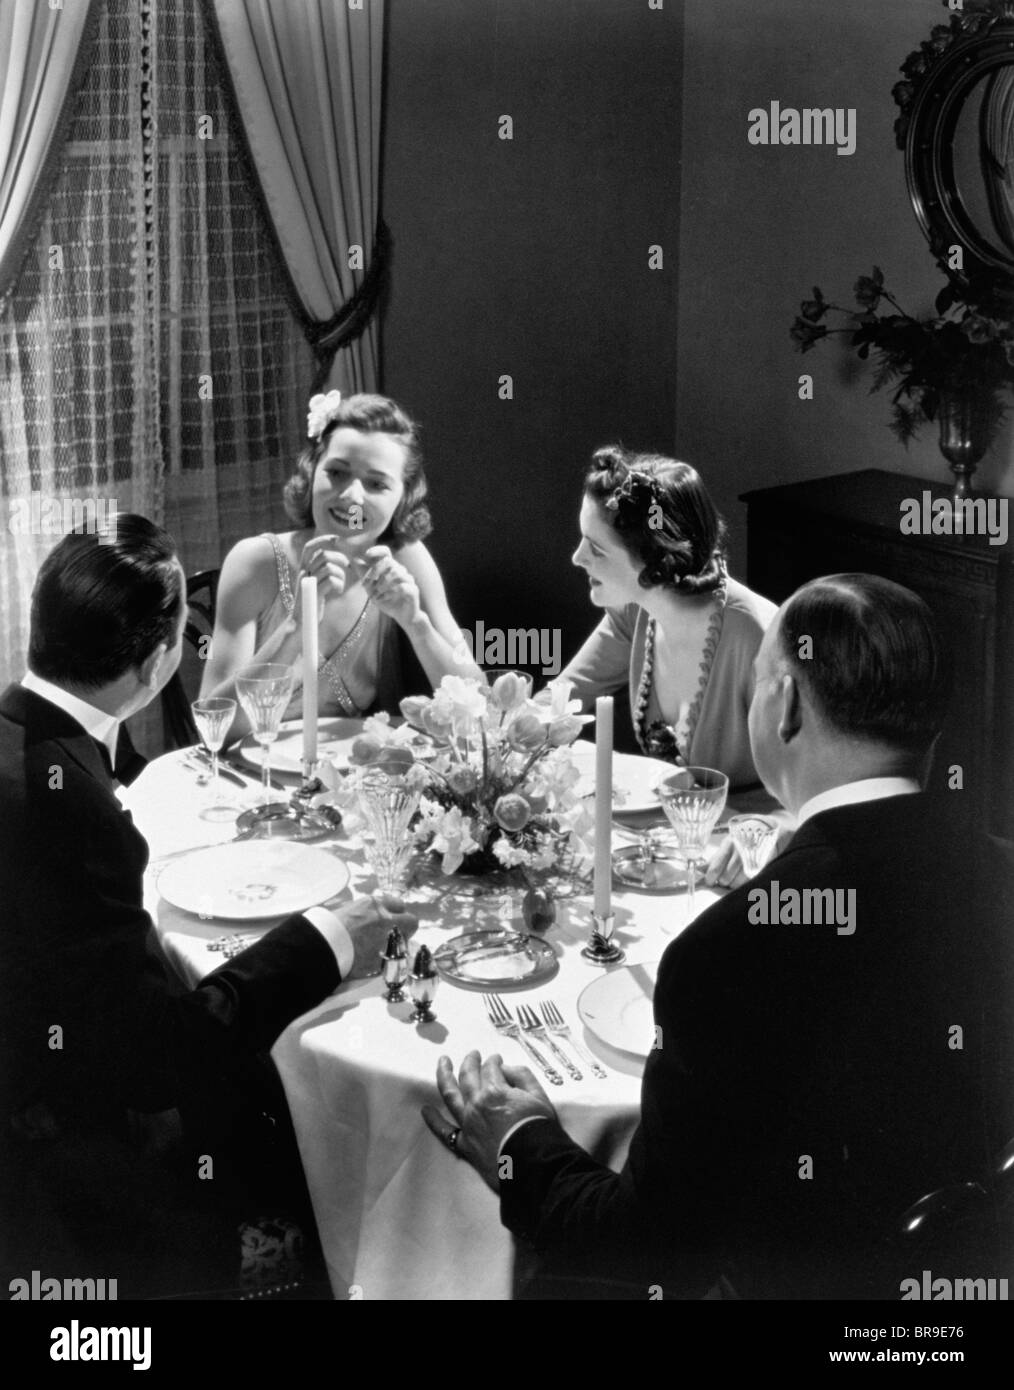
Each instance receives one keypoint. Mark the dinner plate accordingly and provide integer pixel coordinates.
(617, 1008)
(497, 960)
(334, 742)
(634, 778)
(246, 879)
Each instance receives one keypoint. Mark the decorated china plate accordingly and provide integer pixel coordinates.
(244, 880)
(634, 778)
(335, 737)
(617, 1008)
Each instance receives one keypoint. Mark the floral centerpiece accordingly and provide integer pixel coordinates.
(966, 352)
(499, 786)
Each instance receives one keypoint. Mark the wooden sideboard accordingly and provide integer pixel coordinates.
(851, 522)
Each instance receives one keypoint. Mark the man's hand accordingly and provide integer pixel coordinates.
(725, 866)
(368, 922)
(485, 1101)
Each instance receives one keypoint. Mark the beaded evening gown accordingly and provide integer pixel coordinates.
(364, 672)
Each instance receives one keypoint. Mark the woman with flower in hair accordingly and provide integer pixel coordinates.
(357, 502)
(677, 630)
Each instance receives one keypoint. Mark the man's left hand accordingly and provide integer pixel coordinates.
(485, 1101)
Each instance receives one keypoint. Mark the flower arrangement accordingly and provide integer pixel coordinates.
(500, 789)
(965, 350)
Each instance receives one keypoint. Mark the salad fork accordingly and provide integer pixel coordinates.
(499, 1016)
(530, 1023)
(556, 1024)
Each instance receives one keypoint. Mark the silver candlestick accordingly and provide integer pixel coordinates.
(601, 948)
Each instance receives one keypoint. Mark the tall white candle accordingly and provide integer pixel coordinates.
(603, 804)
(308, 597)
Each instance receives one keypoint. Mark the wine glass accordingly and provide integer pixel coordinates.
(754, 837)
(213, 717)
(693, 798)
(264, 692)
(387, 805)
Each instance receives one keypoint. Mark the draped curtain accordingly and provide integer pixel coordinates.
(41, 55)
(79, 405)
(307, 80)
(235, 366)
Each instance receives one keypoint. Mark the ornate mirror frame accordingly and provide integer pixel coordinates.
(939, 77)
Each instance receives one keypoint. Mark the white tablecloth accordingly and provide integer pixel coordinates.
(399, 1217)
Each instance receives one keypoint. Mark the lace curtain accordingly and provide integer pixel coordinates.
(148, 352)
(78, 410)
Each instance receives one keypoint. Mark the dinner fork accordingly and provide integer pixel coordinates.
(555, 1023)
(530, 1023)
(499, 1016)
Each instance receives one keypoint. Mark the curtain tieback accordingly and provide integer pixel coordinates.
(328, 336)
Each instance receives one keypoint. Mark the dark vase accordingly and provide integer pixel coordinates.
(967, 422)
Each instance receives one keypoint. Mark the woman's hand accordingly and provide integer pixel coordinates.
(389, 584)
(321, 560)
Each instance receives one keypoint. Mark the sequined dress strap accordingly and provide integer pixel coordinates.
(284, 574)
(332, 666)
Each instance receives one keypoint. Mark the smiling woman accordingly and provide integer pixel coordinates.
(677, 627)
(357, 500)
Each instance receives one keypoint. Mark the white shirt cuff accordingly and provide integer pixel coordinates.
(529, 1119)
(336, 934)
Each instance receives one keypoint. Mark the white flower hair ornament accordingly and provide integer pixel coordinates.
(322, 409)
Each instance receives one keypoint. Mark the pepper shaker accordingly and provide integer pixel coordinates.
(423, 986)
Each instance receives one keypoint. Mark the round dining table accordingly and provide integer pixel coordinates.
(399, 1216)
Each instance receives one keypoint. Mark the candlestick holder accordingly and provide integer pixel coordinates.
(601, 948)
(295, 819)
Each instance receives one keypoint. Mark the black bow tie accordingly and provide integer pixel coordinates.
(128, 763)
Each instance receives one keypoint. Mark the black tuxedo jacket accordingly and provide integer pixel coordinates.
(94, 1024)
(78, 951)
(810, 1084)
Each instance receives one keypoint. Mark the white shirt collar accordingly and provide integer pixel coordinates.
(102, 726)
(849, 793)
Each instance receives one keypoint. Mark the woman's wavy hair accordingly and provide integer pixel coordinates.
(662, 513)
(371, 415)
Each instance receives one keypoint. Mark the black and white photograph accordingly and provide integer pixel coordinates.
(507, 691)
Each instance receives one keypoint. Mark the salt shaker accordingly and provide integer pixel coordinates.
(394, 966)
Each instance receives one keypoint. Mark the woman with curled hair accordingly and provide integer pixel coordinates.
(358, 504)
(677, 629)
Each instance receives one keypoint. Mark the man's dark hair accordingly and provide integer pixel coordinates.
(877, 669)
(102, 604)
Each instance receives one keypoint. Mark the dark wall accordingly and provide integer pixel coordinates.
(529, 258)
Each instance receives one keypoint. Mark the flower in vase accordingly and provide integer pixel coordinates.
(459, 700)
(462, 780)
(511, 854)
(554, 700)
(512, 813)
(526, 733)
(563, 731)
(508, 693)
(454, 839)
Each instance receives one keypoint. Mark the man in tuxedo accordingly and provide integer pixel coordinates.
(141, 1121)
(834, 1037)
